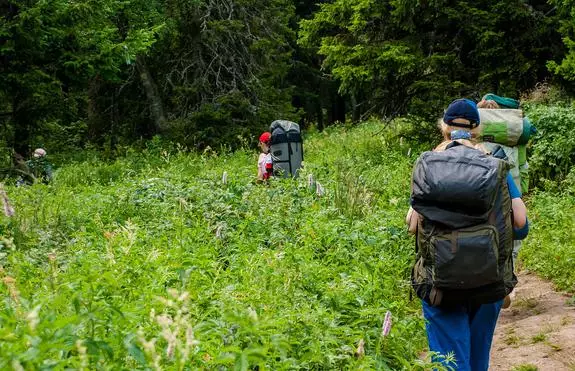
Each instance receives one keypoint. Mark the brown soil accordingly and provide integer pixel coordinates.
(538, 330)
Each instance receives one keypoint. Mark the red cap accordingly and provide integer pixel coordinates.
(265, 137)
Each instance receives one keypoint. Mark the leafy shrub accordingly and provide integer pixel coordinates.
(552, 152)
(549, 248)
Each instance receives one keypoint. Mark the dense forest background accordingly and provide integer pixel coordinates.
(105, 73)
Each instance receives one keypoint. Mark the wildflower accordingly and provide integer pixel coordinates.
(16, 365)
(310, 181)
(409, 152)
(183, 296)
(360, 352)
(8, 209)
(190, 340)
(52, 257)
(225, 177)
(82, 353)
(219, 233)
(386, 328)
(164, 320)
(11, 284)
(319, 190)
(173, 293)
(252, 314)
(32, 317)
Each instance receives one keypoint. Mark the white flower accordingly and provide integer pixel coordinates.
(386, 328)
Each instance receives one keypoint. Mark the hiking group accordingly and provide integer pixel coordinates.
(468, 218)
(466, 213)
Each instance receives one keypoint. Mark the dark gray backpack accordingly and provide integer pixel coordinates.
(286, 148)
(465, 239)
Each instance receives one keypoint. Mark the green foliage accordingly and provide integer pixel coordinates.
(232, 84)
(52, 49)
(151, 261)
(413, 57)
(566, 67)
(525, 367)
(552, 152)
(549, 248)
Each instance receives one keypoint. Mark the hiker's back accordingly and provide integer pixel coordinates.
(464, 239)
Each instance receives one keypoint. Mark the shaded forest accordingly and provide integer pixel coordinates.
(99, 74)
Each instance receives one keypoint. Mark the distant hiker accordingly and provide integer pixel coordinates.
(286, 148)
(39, 166)
(265, 165)
(464, 214)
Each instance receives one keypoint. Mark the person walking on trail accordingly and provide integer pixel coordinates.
(465, 213)
(39, 166)
(494, 102)
(265, 164)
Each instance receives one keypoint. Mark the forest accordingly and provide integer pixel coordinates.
(108, 74)
(152, 246)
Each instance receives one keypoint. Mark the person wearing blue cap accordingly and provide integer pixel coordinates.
(464, 328)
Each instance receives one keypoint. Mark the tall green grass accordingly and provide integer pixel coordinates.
(152, 261)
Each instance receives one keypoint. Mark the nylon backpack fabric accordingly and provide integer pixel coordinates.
(286, 148)
(511, 155)
(502, 101)
(502, 126)
(464, 240)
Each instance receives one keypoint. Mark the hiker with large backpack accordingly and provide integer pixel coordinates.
(465, 212)
(286, 148)
(506, 132)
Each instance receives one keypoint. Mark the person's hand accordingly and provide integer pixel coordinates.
(489, 104)
(411, 220)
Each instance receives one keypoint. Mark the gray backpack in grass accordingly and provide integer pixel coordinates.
(286, 148)
(464, 239)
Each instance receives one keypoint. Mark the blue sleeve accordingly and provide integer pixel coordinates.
(521, 233)
(514, 192)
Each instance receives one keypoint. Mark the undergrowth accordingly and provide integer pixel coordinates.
(152, 261)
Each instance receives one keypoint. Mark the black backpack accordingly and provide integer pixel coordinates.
(286, 148)
(464, 239)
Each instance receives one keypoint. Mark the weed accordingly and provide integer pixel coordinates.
(554, 347)
(540, 337)
(529, 303)
(511, 338)
(525, 367)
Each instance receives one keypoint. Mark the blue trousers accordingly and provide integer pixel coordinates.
(467, 332)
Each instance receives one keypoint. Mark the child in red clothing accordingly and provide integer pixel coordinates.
(265, 165)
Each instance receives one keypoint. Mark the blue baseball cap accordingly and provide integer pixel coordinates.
(462, 109)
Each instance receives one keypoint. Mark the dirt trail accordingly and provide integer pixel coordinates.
(538, 330)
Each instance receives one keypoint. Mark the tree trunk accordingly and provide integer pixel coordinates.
(355, 109)
(21, 124)
(339, 108)
(154, 99)
(95, 122)
(319, 111)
